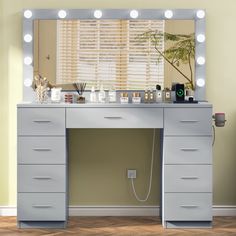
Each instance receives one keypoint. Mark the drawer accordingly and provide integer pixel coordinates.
(188, 178)
(188, 121)
(188, 150)
(41, 150)
(41, 207)
(41, 121)
(114, 118)
(41, 178)
(188, 207)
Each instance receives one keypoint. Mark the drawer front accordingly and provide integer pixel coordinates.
(188, 178)
(41, 121)
(188, 206)
(41, 207)
(41, 178)
(41, 150)
(188, 150)
(188, 121)
(114, 118)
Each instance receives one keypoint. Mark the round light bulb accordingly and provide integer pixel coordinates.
(200, 60)
(200, 14)
(201, 38)
(200, 82)
(97, 14)
(28, 60)
(168, 14)
(28, 14)
(133, 14)
(27, 82)
(62, 14)
(28, 38)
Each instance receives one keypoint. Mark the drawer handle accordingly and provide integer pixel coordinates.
(42, 149)
(42, 206)
(41, 121)
(113, 117)
(189, 206)
(189, 177)
(189, 149)
(189, 121)
(42, 177)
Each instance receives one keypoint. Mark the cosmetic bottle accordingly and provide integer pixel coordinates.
(146, 96)
(136, 98)
(112, 95)
(151, 96)
(158, 93)
(93, 96)
(124, 98)
(167, 95)
(102, 95)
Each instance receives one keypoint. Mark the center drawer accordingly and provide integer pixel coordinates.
(42, 178)
(114, 118)
(188, 178)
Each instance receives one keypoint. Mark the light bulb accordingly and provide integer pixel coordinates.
(27, 82)
(62, 14)
(168, 14)
(200, 82)
(28, 38)
(28, 14)
(97, 14)
(133, 14)
(200, 60)
(201, 38)
(200, 14)
(28, 60)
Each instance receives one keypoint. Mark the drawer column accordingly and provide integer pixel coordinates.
(42, 168)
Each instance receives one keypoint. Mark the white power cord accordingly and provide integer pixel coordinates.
(151, 170)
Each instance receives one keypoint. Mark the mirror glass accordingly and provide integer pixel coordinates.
(124, 54)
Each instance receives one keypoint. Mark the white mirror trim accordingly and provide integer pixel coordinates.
(178, 14)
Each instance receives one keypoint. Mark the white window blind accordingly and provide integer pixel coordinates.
(109, 52)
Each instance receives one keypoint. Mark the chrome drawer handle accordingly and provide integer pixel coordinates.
(189, 149)
(41, 121)
(112, 117)
(42, 206)
(189, 206)
(189, 121)
(189, 177)
(42, 149)
(42, 177)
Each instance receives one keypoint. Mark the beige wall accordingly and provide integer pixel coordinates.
(106, 170)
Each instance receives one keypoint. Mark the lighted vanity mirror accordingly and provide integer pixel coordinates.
(115, 47)
(124, 54)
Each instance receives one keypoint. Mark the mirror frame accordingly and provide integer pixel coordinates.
(198, 15)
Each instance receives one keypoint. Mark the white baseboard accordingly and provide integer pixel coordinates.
(218, 210)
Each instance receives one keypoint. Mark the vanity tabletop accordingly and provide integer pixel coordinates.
(113, 105)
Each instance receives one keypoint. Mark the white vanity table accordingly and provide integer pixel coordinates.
(186, 157)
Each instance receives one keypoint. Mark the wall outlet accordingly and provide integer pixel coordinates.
(131, 174)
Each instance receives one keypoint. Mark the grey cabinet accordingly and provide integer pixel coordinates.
(187, 168)
(42, 193)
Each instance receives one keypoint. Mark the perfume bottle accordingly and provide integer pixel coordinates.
(158, 93)
(136, 98)
(112, 95)
(102, 95)
(146, 96)
(124, 98)
(93, 96)
(151, 96)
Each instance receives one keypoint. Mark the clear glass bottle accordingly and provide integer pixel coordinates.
(124, 98)
(93, 95)
(102, 95)
(112, 95)
(136, 98)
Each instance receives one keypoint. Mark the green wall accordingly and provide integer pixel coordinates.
(99, 179)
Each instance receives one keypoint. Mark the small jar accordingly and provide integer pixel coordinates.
(136, 98)
(124, 98)
(68, 98)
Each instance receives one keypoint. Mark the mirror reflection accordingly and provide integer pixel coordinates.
(123, 54)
